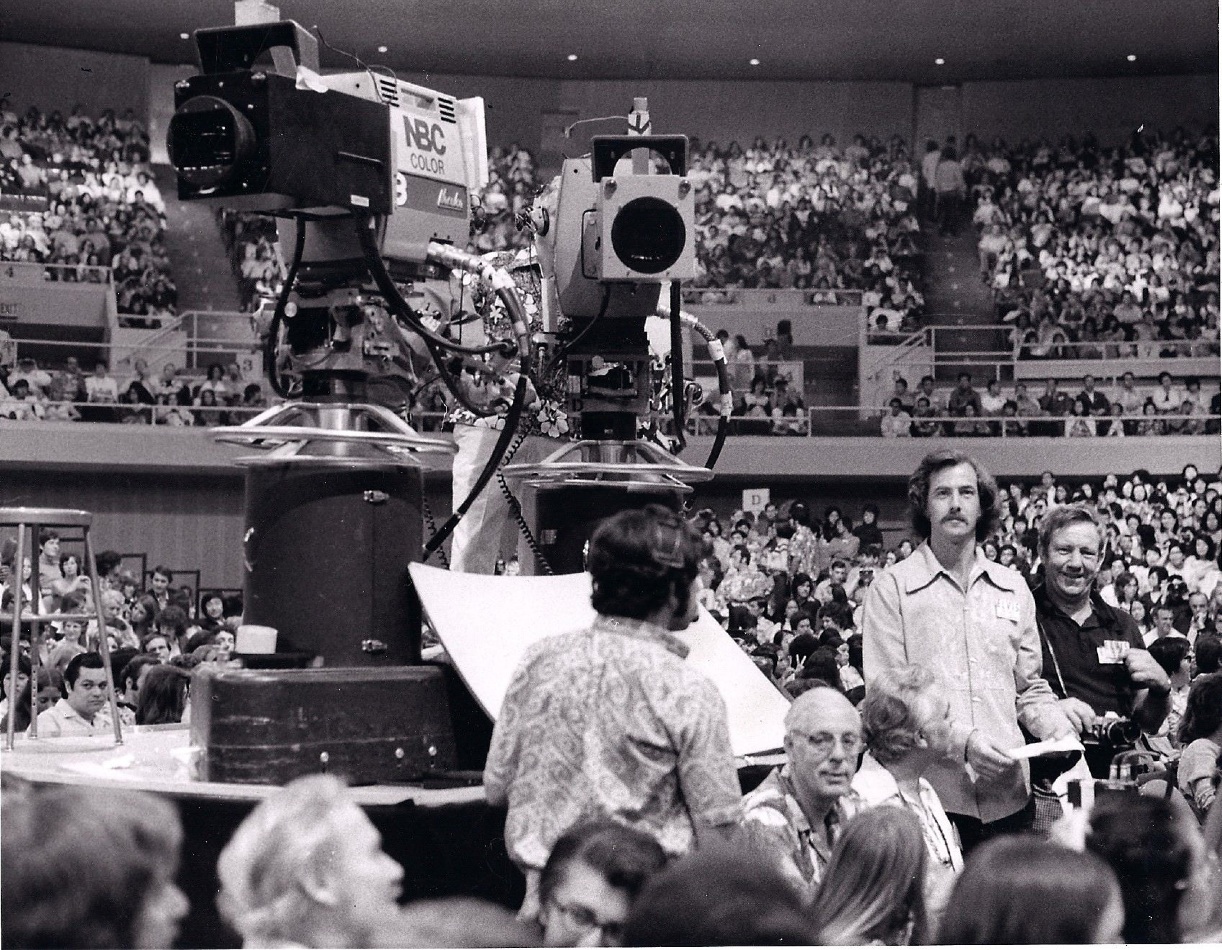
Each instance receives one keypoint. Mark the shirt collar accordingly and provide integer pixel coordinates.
(876, 784)
(65, 710)
(642, 630)
(926, 568)
(1098, 607)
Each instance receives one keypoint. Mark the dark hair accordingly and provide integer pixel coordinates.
(175, 617)
(161, 568)
(856, 646)
(1021, 890)
(638, 558)
(163, 697)
(132, 668)
(1203, 715)
(1137, 836)
(89, 661)
(80, 864)
(1170, 652)
(23, 665)
(1209, 653)
(822, 664)
(107, 561)
(718, 895)
(802, 646)
(1061, 517)
(47, 534)
(918, 491)
(625, 857)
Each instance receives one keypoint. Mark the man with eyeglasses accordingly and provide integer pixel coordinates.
(591, 878)
(797, 812)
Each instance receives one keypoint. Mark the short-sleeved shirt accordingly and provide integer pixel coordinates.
(62, 720)
(774, 822)
(1071, 657)
(610, 722)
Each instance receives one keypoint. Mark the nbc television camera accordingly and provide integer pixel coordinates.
(370, 176)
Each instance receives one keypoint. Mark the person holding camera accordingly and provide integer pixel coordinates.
(1094, 657)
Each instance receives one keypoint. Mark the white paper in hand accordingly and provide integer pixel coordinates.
(1067, 743)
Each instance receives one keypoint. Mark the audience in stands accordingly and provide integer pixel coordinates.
(1102, 253)
(94, 205)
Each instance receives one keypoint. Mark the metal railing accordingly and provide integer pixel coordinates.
(771, 297)
(33, 272)
(12, 410)
(819, 422)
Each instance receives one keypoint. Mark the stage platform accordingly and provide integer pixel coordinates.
(448, 840)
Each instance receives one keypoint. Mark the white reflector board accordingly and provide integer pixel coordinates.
(486, 623)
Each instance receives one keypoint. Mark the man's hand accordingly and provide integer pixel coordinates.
(987, 761)
(1144, 671)
(1078, 713)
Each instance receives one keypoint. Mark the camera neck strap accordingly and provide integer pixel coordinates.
(1056, 664)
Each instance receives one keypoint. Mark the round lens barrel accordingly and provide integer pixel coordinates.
(648, 235)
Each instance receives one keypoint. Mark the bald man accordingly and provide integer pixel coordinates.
(797, 811)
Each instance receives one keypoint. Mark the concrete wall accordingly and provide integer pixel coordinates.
(53, 78)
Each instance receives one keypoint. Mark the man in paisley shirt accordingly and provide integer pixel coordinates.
(610, 722)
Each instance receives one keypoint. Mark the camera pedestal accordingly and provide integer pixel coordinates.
(567, 495)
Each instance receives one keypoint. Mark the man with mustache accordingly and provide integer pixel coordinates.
(1094, 656)
(972, 623)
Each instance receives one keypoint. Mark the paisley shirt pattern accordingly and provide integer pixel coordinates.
(610, 722)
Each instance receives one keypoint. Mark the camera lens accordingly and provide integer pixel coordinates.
(648, 235)
(208, 141)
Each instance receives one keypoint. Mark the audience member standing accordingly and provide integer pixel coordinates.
(1093, 655)
(972, 623)
(609, 722)
(951, 189)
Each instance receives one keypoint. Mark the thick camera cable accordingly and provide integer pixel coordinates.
(677, 389)
(272, 342)
(726, 404)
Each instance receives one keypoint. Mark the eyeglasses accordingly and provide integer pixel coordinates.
(825, 742)
(584, 919)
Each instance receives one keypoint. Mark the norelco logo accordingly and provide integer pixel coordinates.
(450, 198)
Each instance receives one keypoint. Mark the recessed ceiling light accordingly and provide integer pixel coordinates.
(1132, 57)
(572, 57)
(184, 36)
(939, 61)
(383, 49)
(753, 62)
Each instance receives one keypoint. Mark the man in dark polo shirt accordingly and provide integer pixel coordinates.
(1094, 658)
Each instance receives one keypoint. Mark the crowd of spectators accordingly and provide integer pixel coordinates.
(886, 866)
(221, 397)
(818, 217)
(88, 201)
(883, 865)
(148, 621)
(1101, 253)
(1172, 407)
(790, 586)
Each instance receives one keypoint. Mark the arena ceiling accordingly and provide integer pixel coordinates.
(684, 39)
